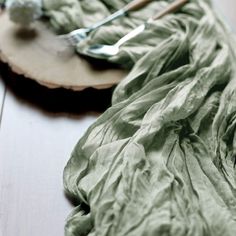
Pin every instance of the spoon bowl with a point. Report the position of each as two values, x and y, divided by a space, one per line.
101 51
105 51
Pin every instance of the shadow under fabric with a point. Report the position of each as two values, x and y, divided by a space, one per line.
161 160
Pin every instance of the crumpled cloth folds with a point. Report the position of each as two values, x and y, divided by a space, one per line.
161 160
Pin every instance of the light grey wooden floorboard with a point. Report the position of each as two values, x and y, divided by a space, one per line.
226 9
34 148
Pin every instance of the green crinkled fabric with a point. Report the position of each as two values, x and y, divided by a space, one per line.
161 160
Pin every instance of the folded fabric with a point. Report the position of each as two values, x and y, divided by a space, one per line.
161 160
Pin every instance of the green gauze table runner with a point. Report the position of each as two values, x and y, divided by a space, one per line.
161 160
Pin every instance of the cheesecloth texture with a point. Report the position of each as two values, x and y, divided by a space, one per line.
161 160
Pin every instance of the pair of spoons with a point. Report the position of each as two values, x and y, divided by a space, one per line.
101 51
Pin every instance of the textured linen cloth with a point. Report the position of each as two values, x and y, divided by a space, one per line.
161 160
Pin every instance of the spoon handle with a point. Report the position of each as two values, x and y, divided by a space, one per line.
174 6
171 8
136 5
130 35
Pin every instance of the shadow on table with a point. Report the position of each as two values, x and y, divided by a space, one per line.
56 100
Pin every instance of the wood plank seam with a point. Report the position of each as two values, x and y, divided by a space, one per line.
2 99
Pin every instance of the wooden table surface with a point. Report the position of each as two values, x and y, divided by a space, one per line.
38 130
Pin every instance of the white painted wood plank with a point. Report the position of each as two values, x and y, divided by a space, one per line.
226 9
34 148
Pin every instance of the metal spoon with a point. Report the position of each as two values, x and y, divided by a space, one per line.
101 51
78 35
